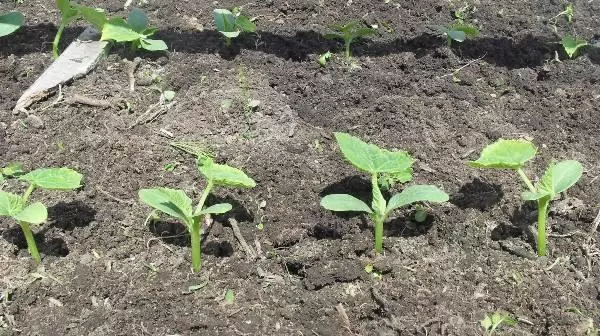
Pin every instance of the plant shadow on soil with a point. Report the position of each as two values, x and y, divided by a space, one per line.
173 232
528 51
66 217
477 194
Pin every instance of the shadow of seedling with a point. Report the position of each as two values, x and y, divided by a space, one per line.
524 218
406 227
477 194
54 246
64 216
173 232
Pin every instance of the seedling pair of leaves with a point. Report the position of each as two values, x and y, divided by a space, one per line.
177 204
71 12
571 44
18 207
383 166
10 22
349 32
232 23
559 176
135 30
494 322
13 169
458 31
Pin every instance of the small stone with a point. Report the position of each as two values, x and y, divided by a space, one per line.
34 121
560 92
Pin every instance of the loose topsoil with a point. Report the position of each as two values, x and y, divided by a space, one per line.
110 270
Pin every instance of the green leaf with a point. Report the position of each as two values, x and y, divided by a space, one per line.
67 11
224 175
378 202
173 202
137 20
224 20
232 34
387 180
35 213
95 16
1 179
229 297
505 154
323 58
416 193
13 169
344 202
370 158
10 204
118 30
168 95
333 36
153 45
467 29
10 22
244 24
456 35
365 32
216 209
572 45
54 178
559 177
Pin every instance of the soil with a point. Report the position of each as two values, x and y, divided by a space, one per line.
109 270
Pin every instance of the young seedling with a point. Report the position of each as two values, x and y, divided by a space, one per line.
232 23
458 31
324 58
18 207
349 32
135 30
13 169
10 22
559 176
69 13
380 162
492 323
571 45
177 204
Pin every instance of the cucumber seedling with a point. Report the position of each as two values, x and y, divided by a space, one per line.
231 23
18 207
395 166
135 30
69 13
13 169
559 176
177 204
491 323
10 22
458 31
349 32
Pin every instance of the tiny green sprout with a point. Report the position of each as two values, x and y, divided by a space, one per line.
324 58
232 23
135 30
420 214
13 169
377 162
492 323
69 13
458 31
369 269
349 32
169 167
572 44
18 207
177 204
229 297
559 176
11 22
168 96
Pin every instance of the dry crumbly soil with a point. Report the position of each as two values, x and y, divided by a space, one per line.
107 270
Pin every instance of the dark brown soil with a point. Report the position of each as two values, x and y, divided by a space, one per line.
106 272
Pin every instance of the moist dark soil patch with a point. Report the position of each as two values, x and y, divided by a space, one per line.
108 270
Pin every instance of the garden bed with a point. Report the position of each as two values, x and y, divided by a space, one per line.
107 270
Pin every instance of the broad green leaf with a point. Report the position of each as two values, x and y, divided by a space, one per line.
365 32
560 177
13 169
244 24
95 16
416 193
67 12
10 22
10 204
467 29
34 213
54 178
505 154
333 36
456 35
216 209
224 175
344 202
370 158
387 180
1 179
149 31
232 34
571 45
118 30
224 20
137 20
531 196
153 45
173 202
